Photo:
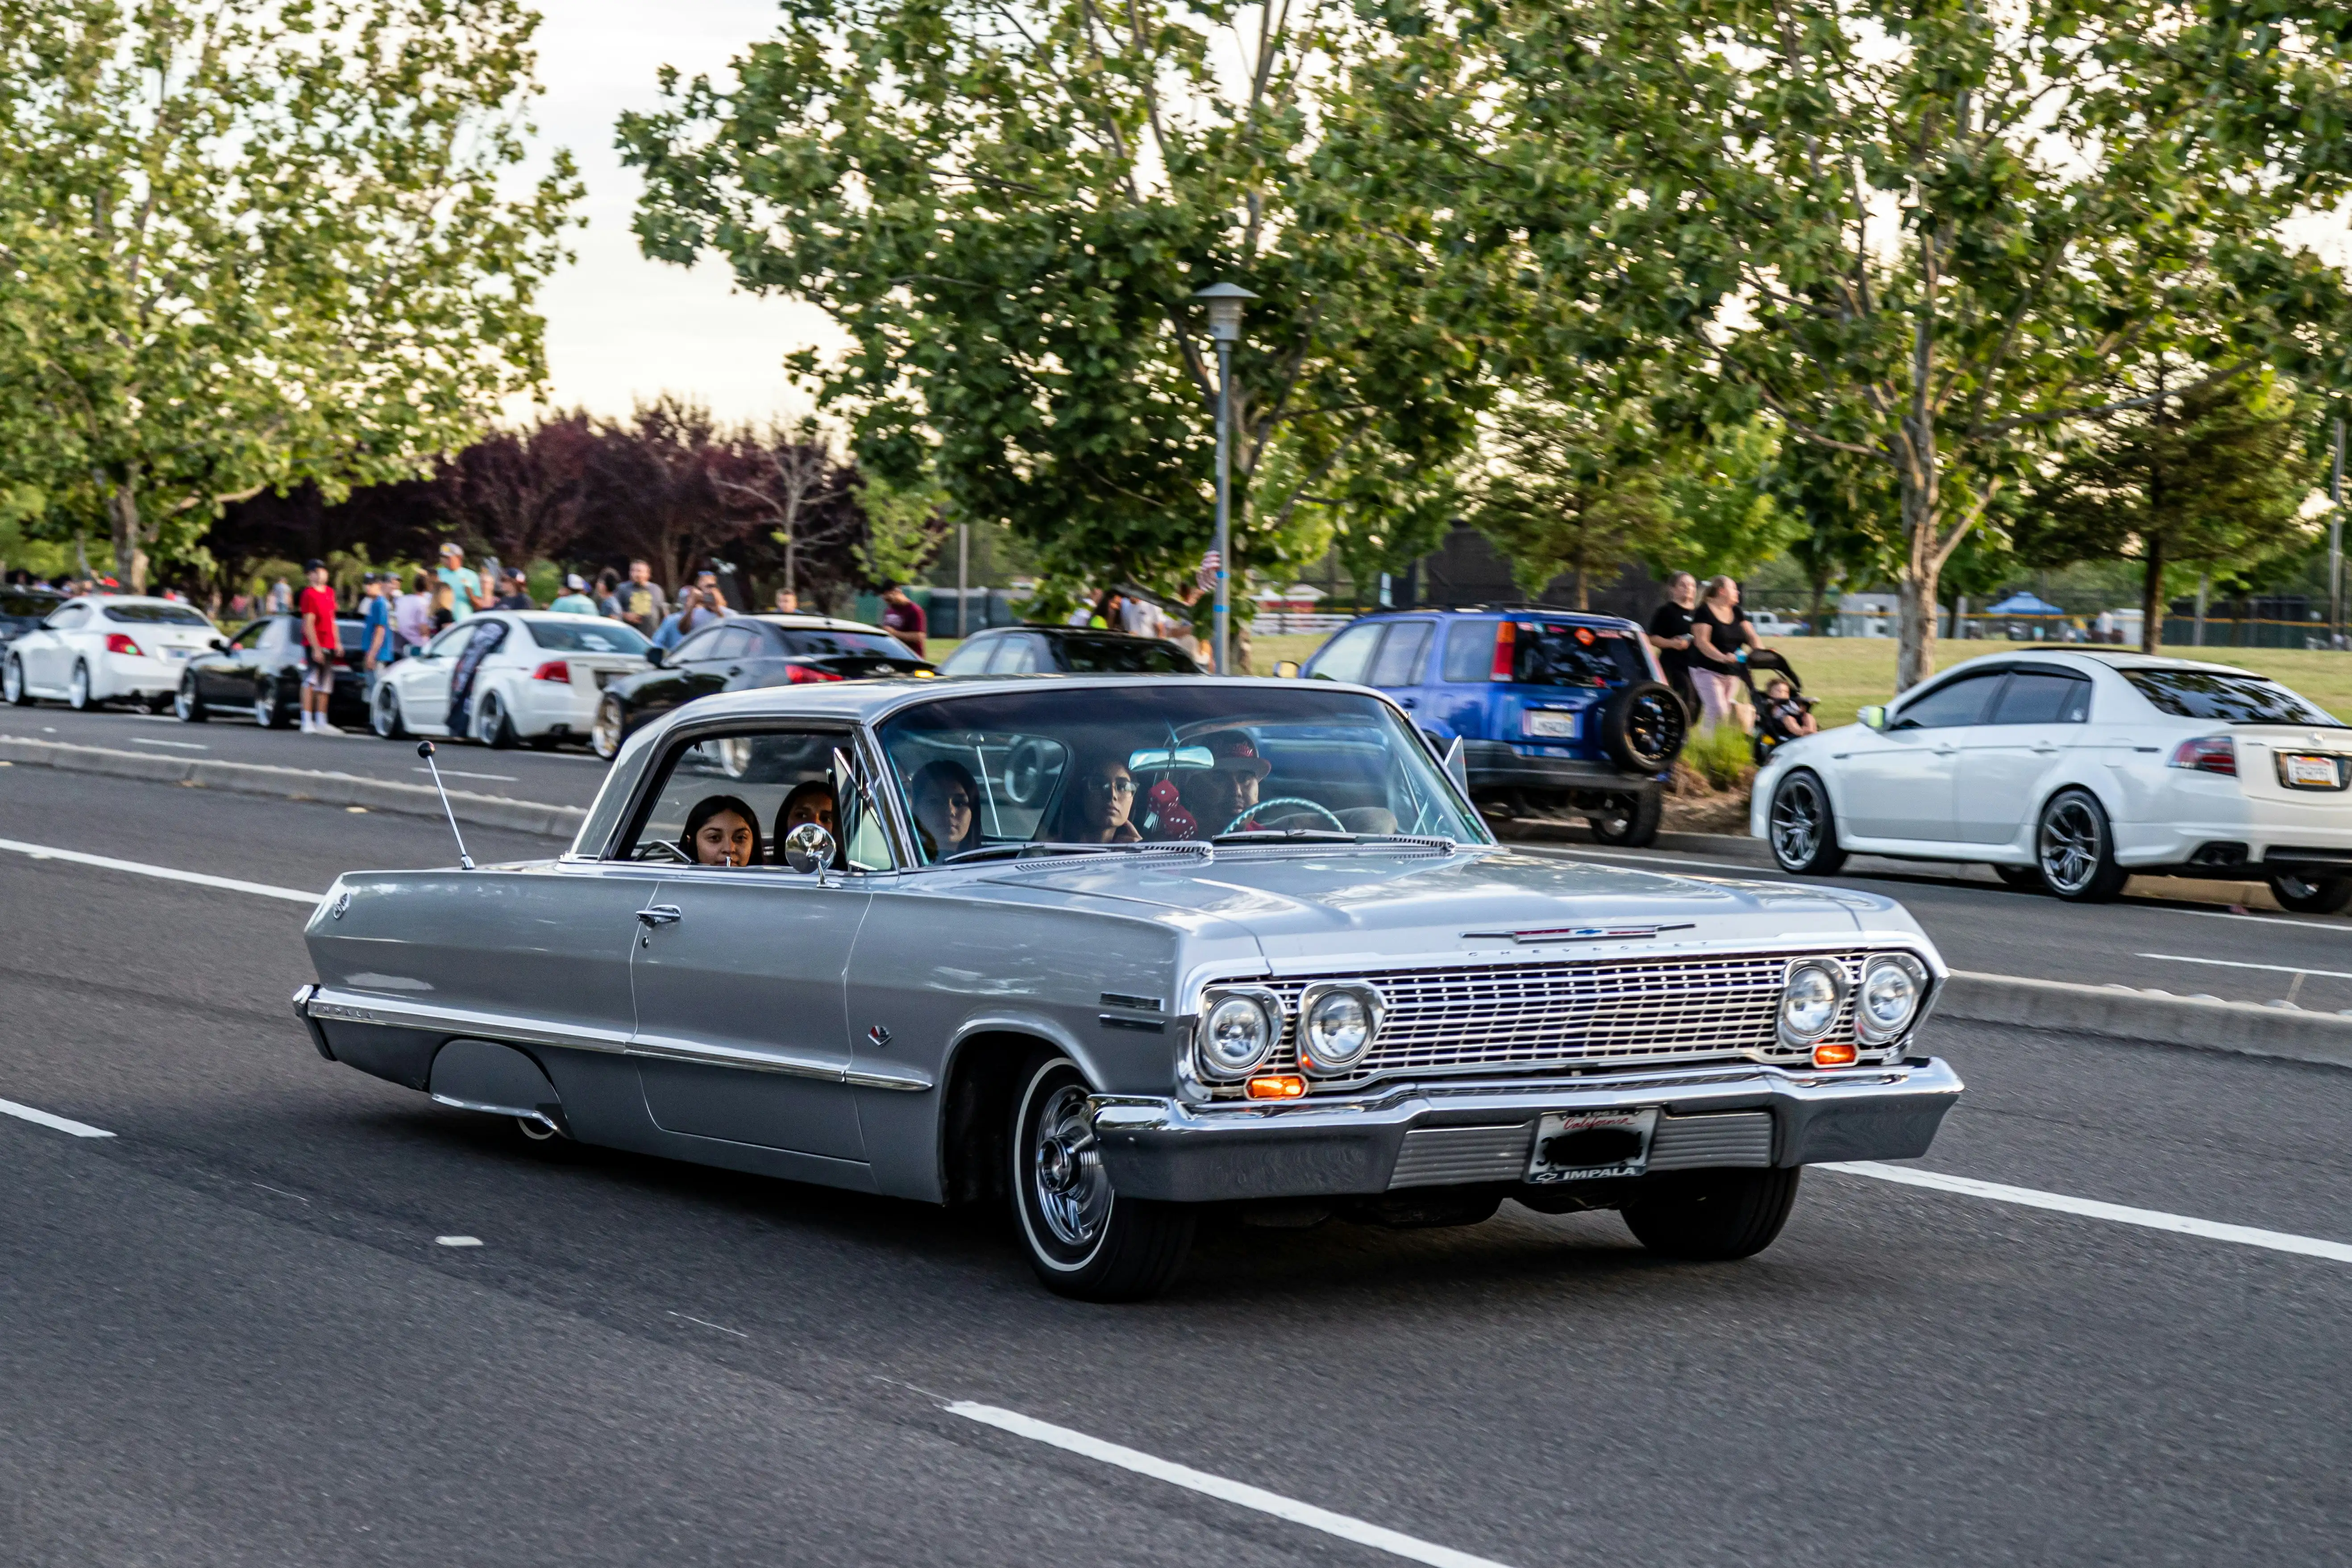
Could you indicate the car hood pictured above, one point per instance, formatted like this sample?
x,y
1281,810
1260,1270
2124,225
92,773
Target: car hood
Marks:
x,y
1365,903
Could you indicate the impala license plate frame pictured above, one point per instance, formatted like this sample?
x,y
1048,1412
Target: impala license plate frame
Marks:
x,y
1563,1137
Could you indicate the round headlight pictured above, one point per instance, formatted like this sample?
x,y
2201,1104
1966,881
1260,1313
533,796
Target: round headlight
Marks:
x,y
1893,984
1809,1001
1338,1028
1236,1034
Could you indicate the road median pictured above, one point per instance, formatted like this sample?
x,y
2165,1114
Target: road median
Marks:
x,y
2119,1012
297,783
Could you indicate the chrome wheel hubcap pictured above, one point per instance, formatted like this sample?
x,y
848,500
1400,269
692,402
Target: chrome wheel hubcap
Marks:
x,y
2070,846
1073,1190
1796,823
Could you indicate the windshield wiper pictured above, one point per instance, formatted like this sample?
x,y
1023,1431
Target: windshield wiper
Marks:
x,y
1304,835
1023,851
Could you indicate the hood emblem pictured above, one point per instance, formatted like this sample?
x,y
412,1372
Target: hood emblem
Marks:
x,y
1580,933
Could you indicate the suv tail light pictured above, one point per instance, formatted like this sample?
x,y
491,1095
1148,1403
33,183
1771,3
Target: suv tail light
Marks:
x,y
1507,647
553,669
804,675
117,643
2207,754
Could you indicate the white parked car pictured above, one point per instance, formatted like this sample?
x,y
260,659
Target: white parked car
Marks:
x,y
2072,771
535,678
1768,624
107,648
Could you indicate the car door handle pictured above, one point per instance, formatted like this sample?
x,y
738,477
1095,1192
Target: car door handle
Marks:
x,y
734,669
1946,751
661,915
2045,751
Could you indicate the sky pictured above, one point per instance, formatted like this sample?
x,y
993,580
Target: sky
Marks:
x,y
620,327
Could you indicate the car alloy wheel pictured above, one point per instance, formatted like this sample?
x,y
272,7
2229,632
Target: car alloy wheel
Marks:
x,y
1801,829
77,696
186,706
1630,820
383,714
2075,850
1084,1239
1073,1192
12,684
493,728
264,712
604,736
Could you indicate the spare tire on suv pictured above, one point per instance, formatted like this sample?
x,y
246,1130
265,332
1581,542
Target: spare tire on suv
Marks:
x,y
1643,727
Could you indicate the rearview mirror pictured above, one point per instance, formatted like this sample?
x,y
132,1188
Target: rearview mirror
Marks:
x,y
808,848
654,654
218,645
1874,715
1287,669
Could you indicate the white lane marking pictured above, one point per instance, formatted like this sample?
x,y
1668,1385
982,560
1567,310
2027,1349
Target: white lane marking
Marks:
x,y
458,1241
2091,1208
179,745
140,869
455,773
1217,1487
2232,963
54,1124
709,1324
2341,928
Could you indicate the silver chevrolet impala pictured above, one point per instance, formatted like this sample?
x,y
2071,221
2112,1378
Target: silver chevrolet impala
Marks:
x,y
1111,953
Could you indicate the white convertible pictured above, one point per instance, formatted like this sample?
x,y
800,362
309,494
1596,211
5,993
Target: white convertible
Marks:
x,y
2072,771
536,676
103,648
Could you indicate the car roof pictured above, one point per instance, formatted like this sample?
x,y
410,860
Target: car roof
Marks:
x,y
1505,613
1050,631
815,623
872,701
2088,660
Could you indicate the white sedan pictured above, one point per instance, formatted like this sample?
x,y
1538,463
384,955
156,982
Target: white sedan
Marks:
x,y
2072,771
104,649
537,677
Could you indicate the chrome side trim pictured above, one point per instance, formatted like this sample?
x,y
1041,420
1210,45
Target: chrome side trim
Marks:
x,y
907,1081
792,1064
353,1007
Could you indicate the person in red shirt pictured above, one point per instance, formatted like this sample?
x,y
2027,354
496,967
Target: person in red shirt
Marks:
x,y
316,606
904,618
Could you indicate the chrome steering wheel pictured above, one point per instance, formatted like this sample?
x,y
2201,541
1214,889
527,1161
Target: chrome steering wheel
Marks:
x,y
1234,825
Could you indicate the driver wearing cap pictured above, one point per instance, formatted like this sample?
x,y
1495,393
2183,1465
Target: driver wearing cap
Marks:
x,y
1222,795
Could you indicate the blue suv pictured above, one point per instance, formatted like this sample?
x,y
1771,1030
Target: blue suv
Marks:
x,y
1559,714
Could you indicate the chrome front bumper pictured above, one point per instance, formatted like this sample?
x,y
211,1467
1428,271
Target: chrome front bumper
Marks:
x,y
1184,1152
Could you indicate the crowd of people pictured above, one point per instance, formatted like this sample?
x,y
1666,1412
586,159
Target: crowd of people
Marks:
x,y
1712,659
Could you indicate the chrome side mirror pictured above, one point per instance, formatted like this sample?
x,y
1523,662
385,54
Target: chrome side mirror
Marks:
x,y
809,849
1287,669
1874,715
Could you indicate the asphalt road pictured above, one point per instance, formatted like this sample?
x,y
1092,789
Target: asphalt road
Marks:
x,y
231,1335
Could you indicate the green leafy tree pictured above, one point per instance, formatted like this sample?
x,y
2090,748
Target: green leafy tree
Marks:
x,y
2212,482
1008,209
1727,519
1843,509
246,244
1570,487
1922,237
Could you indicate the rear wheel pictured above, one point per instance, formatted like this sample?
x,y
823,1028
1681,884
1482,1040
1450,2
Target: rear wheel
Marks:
x,y
1084,1239
383,714
186,705
611,728
78,697
12,684
1714,1216
494,727
1803,829
2311,895
2024,878
2075,847
1631,820
266,711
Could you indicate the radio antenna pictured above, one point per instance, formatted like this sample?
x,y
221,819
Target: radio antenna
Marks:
x,y
424,750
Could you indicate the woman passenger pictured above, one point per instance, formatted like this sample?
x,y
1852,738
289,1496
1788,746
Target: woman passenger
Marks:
x,y
947,809
810,801
721,831
1101,802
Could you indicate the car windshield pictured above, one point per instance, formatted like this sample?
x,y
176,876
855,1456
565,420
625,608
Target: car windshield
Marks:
x,y
1153,763
156,615
1552,653
2231,699
1123,656
827,644
578,634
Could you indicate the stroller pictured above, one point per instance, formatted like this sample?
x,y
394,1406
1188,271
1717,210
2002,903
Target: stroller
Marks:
x,y
1772,724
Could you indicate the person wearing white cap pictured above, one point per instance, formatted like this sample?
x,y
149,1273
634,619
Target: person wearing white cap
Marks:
x,y
574,599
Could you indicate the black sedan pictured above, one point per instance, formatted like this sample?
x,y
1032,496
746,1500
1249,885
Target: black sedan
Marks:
x,y
259,672
743,652
22,609
1066,650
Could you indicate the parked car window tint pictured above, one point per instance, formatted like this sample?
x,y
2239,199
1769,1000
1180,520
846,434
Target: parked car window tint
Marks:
x,y
1469,650
2035,697
25,604
68,618
2231,699
759,766
824,644
249,636
1403,656
451,642
578,634
701,644
156,615
1955,702
1316,763
1347,656
971,659
1555,653
734,642
1119,656
1015,654
278,631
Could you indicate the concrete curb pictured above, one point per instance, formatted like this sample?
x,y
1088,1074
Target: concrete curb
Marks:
x,y
2118,1012
298,783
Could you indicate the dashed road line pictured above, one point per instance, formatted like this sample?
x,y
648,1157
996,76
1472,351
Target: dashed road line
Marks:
x,y
1238,1493
165,873
2091,1208
54,1123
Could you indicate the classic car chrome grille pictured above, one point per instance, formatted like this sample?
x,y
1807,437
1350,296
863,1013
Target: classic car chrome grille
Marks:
x,y
1560,1013
1455,1157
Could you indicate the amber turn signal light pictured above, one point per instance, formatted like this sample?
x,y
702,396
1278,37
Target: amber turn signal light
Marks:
x,y
1282,1086
1834,1054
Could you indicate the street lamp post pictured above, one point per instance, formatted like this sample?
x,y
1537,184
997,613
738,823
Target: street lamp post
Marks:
x,y
1224,302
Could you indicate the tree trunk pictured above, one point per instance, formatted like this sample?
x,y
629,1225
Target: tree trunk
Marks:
x,y
2151,594
130,549
1915,654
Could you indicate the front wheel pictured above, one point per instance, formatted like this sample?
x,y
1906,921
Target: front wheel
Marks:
x,y
2074,846
78,697
611,728
1629,820
383,714
266,711
2311,895
1714,1216
186,705
12,684
1084,1239
1803,829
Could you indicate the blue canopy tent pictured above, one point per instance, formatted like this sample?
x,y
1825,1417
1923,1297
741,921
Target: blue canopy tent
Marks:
x,y
2023,603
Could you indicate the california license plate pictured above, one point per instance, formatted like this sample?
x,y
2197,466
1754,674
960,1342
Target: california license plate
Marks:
x,y
1552,726
2308,771
1591,1146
